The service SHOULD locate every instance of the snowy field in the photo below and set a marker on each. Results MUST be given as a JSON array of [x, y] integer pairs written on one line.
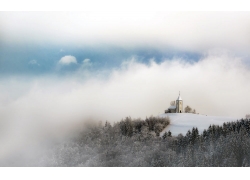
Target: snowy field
[[182, 122]]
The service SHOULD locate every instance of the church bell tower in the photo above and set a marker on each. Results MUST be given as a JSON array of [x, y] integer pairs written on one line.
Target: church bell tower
[[179, 104]]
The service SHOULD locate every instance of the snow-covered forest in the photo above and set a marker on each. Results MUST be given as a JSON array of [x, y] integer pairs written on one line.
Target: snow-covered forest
[[136, 142]]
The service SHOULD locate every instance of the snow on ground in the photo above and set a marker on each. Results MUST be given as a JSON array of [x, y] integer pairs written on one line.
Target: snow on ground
[[182, 122]]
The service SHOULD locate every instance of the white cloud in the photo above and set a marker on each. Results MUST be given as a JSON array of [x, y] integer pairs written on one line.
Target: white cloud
[[193, 31], [34, 62], [66, 60], [86, 63]]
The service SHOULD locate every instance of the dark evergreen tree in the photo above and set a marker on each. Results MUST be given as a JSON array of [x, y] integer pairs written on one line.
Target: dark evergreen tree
[[169, 134]]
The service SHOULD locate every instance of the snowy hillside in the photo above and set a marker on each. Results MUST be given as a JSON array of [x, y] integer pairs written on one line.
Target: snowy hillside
[[182, 122]]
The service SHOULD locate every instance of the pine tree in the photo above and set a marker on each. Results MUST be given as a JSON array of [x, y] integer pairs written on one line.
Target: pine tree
[[165, 135], [169, 134]]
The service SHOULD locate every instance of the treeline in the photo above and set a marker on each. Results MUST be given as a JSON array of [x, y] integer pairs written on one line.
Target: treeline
[[129, 127], [188, 109], [226, 145], [138, 143]]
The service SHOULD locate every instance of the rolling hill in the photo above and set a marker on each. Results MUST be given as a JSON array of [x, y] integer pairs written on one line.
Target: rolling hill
[[182, 122]]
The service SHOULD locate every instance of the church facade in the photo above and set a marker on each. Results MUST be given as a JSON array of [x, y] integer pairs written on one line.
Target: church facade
[[176, 106]]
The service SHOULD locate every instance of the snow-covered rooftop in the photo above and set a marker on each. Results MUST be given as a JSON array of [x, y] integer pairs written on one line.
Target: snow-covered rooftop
[[172, 107], [179, 97]]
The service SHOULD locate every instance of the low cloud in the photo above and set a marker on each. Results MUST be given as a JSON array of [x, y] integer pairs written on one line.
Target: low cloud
[[66, 60]]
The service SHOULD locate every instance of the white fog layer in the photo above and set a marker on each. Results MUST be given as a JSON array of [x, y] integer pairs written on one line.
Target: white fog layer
[[34, 112]]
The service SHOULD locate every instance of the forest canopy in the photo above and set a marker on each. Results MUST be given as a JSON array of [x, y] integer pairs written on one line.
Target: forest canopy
[[137, 143]]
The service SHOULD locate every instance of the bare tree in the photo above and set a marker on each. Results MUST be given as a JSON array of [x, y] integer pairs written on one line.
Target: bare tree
[[172, 103], [188, 109], [247, 116]]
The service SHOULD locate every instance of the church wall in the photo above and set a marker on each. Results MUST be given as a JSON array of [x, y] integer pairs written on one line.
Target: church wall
[[172, 110], [179, 106]]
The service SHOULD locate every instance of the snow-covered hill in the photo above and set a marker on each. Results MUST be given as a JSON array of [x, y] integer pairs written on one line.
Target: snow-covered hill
[[182, 122]]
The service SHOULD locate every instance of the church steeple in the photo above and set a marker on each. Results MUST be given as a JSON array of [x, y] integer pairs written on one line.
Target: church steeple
[[179, 97], [179, 104]]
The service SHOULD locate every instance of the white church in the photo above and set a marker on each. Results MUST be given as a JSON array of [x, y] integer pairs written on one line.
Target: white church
[[176, 106]]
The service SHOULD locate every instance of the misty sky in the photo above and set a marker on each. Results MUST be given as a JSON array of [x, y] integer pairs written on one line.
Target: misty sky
[[58, 69], [126, 63], [106, 66]]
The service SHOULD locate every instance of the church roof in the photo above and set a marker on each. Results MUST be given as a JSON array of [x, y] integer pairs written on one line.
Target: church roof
[[179, 97], [172, 107]]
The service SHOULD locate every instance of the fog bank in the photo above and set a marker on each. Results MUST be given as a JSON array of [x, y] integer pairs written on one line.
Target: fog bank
[[35, 111]]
